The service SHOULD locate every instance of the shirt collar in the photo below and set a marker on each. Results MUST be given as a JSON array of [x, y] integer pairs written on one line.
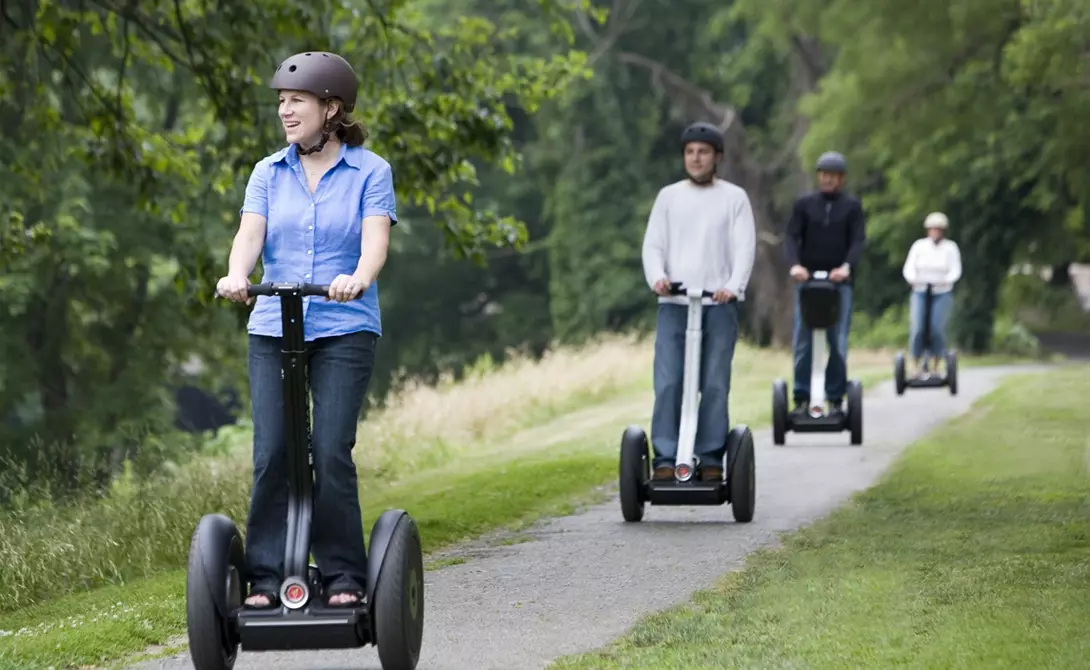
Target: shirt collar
[[351, 156]]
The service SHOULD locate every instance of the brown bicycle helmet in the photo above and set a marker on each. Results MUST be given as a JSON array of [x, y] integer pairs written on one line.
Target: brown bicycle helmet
[[324, 74]]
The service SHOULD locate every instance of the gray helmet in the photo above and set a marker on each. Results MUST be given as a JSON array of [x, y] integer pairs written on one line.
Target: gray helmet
[[832, 161], [324, 74], [703, 132]]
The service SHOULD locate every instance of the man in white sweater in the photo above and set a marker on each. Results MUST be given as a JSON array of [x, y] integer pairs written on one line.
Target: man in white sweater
[[700, 233], [933, 260]]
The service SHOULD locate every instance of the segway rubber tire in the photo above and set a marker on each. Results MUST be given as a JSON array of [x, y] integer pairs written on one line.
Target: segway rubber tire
[[742, 474], [855, 411], [899, 373], [634, 471], [212, 646], [952, 372], [779, 412], [398, 608]]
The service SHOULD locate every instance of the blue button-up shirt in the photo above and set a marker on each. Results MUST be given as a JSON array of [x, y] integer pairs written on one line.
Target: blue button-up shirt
[[314, 238]]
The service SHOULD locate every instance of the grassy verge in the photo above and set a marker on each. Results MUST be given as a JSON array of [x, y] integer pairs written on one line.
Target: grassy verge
[[143, 527], [973, 551], [505, 482]]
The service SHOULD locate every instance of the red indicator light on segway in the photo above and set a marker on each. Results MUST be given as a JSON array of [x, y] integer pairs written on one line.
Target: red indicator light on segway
[[295, 593], [683, 472]]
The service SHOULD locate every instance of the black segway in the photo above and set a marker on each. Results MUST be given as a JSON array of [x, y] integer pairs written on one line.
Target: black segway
[[391, 615], [819, 304], [739, 486], [926, 380]]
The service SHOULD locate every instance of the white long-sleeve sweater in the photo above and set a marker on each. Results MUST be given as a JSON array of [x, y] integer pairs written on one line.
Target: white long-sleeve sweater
[[935, 264], [702, 236]]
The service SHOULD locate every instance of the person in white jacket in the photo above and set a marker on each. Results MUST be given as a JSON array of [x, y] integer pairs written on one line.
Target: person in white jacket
[[933, 260], [701, 233]]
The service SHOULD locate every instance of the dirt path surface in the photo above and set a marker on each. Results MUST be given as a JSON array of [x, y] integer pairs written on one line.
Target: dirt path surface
[[583, 580]]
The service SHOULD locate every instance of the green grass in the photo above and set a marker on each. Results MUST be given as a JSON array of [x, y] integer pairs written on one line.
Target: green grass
[[111, 622], [972, 552]]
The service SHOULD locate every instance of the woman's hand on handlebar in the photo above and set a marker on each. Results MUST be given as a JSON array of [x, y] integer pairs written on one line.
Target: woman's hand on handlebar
[[662, 286], [346, 287], [799, 273], [235, 289]]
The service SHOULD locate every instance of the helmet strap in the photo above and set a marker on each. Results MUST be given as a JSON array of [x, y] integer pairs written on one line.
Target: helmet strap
[[316, 148], [327, 129], [702, 181]]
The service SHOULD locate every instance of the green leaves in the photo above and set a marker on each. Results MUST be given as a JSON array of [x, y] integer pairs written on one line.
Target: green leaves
[[129, 131], [969, 108]]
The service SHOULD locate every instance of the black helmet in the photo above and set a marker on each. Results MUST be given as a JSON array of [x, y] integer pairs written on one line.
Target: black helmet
[[703, 132], [832, 161], [324, 74]]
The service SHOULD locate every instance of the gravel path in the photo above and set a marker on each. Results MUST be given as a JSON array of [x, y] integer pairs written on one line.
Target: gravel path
[[583, 580]]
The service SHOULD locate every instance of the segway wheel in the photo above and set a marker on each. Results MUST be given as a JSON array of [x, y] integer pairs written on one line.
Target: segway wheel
[[779, 411], [213, 589], [952, 371], [855, 411], [899, 372], [635, 471], [399, 599], [741, 473]]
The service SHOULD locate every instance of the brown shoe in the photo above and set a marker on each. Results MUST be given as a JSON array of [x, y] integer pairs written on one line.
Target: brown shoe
[[711, 474], [663, 473]]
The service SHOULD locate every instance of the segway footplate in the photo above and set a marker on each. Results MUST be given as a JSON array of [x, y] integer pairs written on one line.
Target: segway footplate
[[686, 493], [317, 627]]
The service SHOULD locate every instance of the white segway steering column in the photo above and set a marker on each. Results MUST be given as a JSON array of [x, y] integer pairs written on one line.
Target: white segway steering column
[[684, 464], [818, 346]]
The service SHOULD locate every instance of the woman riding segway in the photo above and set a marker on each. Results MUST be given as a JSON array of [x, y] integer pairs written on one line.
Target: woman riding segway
[[318, 211], [933, 261]]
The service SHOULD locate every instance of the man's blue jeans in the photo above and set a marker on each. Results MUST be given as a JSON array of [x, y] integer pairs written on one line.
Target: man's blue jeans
[[941, 303], [836, 370], [340, 370], [720, 325]]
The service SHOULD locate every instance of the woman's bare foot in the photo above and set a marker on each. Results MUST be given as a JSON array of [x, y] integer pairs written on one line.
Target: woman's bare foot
[[343, 598], [260, 600]]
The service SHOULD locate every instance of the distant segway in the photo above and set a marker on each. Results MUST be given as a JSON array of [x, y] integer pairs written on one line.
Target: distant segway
[[391, 616], [819, 304], [927, 380], [739, 486]]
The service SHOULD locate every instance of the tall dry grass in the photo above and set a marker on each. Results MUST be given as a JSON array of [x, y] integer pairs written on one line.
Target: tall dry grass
[[143, 527], [425, 425]]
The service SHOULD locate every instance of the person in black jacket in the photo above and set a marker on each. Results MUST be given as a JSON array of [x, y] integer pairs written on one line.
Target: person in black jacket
[[826, 232]]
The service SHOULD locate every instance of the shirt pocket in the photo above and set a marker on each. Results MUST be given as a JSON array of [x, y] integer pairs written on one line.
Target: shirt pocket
[[340, 221]]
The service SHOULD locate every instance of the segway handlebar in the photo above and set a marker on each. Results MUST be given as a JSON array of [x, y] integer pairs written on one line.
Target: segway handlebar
[[676, 288], [280, 288]]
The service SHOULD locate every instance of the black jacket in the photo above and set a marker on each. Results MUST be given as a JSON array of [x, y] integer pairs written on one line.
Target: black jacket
[[825, 231]]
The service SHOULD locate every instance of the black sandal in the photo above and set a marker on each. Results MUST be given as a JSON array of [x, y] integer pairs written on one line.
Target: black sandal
[[360, 595], [271, 596]]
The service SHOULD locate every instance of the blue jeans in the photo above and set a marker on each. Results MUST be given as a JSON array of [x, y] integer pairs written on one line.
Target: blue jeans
[[339, 370], [836, 370], [720, 325], [941, 304]]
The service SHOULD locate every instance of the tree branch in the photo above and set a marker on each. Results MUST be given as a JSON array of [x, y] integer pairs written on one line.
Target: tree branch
[[620, 16], [701, 98]]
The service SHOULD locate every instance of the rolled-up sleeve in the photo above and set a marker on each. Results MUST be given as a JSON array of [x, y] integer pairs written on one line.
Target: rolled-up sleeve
[[378, 194]]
